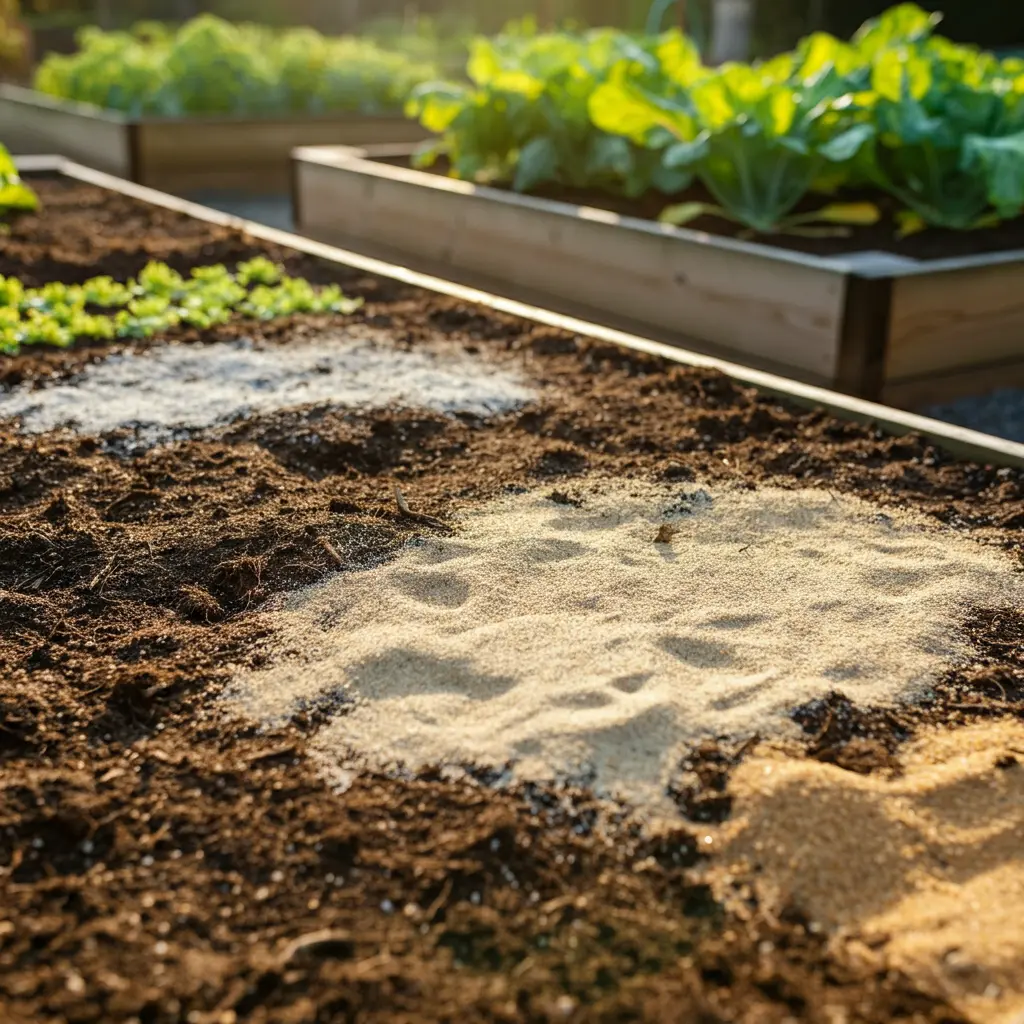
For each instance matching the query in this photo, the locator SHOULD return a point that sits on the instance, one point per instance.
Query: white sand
(172, 388)
(568, 642)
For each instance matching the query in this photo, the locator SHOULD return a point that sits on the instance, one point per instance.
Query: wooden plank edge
(32, 99)
(340, 156)
(357, 160)
(959, 441)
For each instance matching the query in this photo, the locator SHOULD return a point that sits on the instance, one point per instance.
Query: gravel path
(273, 210)
(1000, 413)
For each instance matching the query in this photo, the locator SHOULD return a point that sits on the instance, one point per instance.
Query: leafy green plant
(15, 196)
(946, 125)
(212, 67)
(937, 126)
(756, 138)
(525, 116)
(158, 300)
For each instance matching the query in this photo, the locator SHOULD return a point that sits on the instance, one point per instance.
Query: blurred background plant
(13, 39)
(443, 25)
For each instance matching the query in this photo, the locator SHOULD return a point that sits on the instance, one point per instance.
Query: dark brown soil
(161, 861)
(933, 244)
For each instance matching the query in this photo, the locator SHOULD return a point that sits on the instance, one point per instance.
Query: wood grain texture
(28, 126)
(785, 311)
(254, 156)
(956, 319)
(935, 388)
(181, 155)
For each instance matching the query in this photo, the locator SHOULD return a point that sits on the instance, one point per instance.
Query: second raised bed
(904, 330)
(182, 155)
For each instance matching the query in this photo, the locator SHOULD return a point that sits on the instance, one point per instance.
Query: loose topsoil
(164, 860)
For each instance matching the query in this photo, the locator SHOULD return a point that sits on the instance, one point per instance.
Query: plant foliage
(15, 196)
(937, 126)
(525, 118)
(212, 67)
(158, 300)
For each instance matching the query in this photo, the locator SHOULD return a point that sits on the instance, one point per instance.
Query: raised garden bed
(183, 155)
(904, 329)
(189, 829)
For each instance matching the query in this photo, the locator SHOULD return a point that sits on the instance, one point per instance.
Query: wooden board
(864, 323)
(956, 318)
(182, 155)
(254, 156)
(31, 123)
(788, 312)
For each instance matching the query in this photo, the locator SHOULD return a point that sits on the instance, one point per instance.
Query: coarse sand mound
(922, 873)
(172, 388)
(570, 642)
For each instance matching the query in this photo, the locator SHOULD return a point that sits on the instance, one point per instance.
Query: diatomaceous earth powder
(597, 641)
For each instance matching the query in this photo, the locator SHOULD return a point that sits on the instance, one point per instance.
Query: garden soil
(164, 858)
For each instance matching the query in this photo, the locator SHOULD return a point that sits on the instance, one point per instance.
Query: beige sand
(923, 873)
(567, 641)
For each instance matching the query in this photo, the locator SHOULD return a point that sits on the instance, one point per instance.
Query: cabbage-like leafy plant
(946, 123)
(525, 116)
(755, 135)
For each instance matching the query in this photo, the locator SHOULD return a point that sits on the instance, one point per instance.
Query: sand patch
(925, 870)
(174, 388)
(566, 641)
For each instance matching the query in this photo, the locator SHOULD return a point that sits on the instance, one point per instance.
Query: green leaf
(686, 154)
(538, 163)
(847, 144)
(898, 74)
(1001, 160)
(909, 222)
(436, 105)
(851, 214)
(682, 214)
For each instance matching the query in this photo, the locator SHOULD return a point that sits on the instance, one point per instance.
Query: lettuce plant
(212, 67)
(158, 300)
(756, 136)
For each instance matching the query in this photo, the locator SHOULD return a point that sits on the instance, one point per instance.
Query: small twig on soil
(403, 505)
(442, 899)
(990, 708)
(287, 751)
(322, 940)
(102, 575)
(332, 552)
(417, 517)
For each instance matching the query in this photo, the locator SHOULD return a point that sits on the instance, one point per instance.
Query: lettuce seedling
(158, 300)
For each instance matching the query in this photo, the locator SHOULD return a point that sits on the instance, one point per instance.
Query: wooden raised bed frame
(883, 327)
(184, 154)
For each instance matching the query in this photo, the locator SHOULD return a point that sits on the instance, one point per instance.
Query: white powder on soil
(187, 387)
(566, 642)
